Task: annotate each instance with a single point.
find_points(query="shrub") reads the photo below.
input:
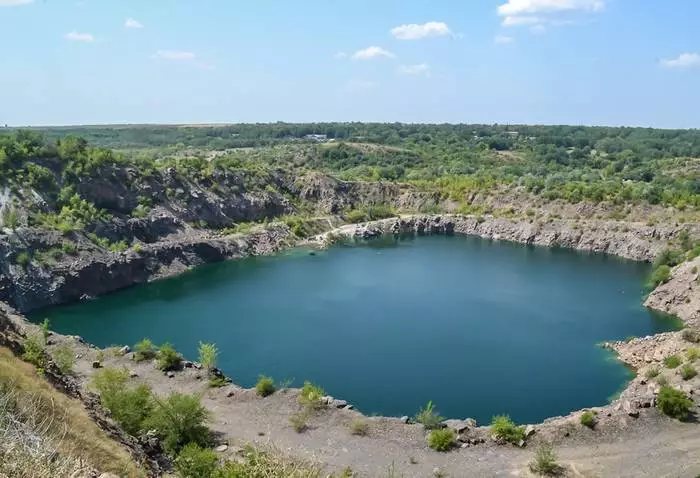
(691, 335)
(545, 462)
(217, 382)
(299, 421)
(311, 395)
(652, 372)
(428, 416)
(688, 371)
(265, 386)
(672, 361)
(588, 419)
(69, 248)
(208, 354)
(674, 403)
(33, 352)
(45, 329)
(130, 407)
(196, 462)
(179, 420)
(145, 350)
(660, 275)
(504, 429)
(692, 354)
(23, 259)
(662, 380)
(359, 426)
(442, 439)
(65, 359)
(168, 358)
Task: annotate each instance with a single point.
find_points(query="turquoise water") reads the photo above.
(479, 327)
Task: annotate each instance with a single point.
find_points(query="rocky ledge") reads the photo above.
(629, 240)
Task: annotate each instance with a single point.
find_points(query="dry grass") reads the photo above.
(272, 463)
(44, 433)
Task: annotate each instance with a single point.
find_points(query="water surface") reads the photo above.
(479, 327)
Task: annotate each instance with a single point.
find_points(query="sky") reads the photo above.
(595, 62)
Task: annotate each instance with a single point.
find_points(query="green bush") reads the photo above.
(299, 421)
(692, 354)
(311, 395)
(23, 259)
(588, 419)
(208, 354)
(168, 358)
(265, 386)
(503, 428)
(428, 416)
(196, 462)
(64, 358)
(33, 352)
(545, 462)
(359, 426)
(441, 439)
(179, 420)
(691, 335)
(45, 330)
(674, 403)
(69, 248)
(672, 361)
(688, 371)
(660, 275)
(217, 382)
(130, 407)
(145, 350)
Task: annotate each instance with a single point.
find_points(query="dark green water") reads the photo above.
(479, 327)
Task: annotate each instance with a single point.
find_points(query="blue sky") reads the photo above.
(610, 62)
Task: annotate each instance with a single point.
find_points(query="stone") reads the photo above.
(108, 475)
(521, 443)
(133, 374)
(458, 426)
(221, 448)
(170, 374)
(230, 393)
(348, 407)
(529, 431)
(405, 419)
(339, 403)
(124, 350)
(96, 364)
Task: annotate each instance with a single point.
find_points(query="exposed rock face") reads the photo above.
(631, 241)
(680, 296)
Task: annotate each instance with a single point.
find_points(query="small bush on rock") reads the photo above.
(652, 372)
(588, 419)
(311, 395)
(168, 358)
(196, 462)
(179, 420)
(145, 350)
(692, 354)
(688, 372)
(265, 386)
(33, 352)
(504, 429)
(217, 382)
(299, 420)
(442, 439)
(359, 426)
(208, 354)
(672, 361)
(428, 416)
(691, 335)
(545, 462)
(660, 275)
(674, 403)
(64, 358)
(129, 406)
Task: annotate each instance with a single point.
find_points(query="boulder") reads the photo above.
(529, 431)
(124, 350)
(221, 448)
(170, 374)
(458, 426)
(96, 364)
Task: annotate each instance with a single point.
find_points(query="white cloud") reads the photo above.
(174, 55)
(415, 31)
(530, 7)
(684, 60)
(340, 55)
(415, 70)
(517, 21)
(372, 52)
(84, 37)
(131, 23)
(503, 39)
(12, 3)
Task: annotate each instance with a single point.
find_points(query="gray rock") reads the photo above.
(133, 374)
(96, 364)
(221, 448)
(405, 419)
(529, 431)
(458, 426)
(170, 374)
(124, 350)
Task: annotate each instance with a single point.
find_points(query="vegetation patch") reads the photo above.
(688, 372)
(145, 350)
(442, 439)
(265, 386)
(311, 395)
(674, 403)
(545, 462)
(359, 426)
(168, 358)
(428, 416)
(672, 361)
(503, 428)
(588, 419)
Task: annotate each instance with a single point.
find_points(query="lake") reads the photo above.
(479, 327)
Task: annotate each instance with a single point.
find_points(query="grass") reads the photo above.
(442, 439)
(299, 421)
(688, 372)
(59, 424)
(359, 427)
(692, 354)
(588, 419)
(545, 462)
(34, 353)
(208, 353)
(65, 359)
(145, 350)
(168, 358)
(311, 395)
(265, 386)
(269, 463)
(217, 382)
(672, 361)
(503, 428)
(428, 416)
(691, 335)
(662, 380)
(652, 372)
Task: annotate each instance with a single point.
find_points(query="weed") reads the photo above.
(265, 386)
(545, 462)
(442, 439)
(672, 361)
(299, 421)
(428, 416)
(588, 419)
(359, 427)
(674, 403)
(504, 429)
(688, 372)
(145, 350)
